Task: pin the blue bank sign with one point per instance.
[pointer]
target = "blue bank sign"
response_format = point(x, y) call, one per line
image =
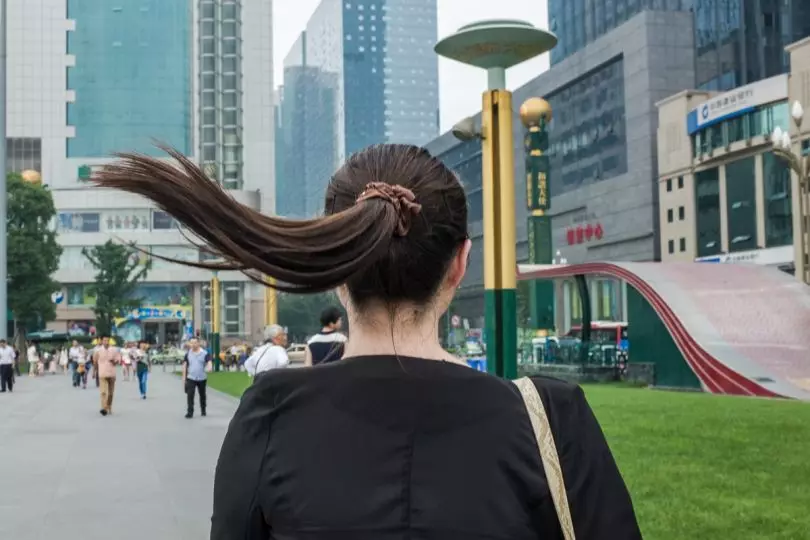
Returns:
point(737, 102)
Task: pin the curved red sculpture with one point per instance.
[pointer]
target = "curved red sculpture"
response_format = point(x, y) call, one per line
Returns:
point(742, 329)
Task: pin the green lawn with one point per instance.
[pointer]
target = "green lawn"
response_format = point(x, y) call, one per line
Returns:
point(699, 466)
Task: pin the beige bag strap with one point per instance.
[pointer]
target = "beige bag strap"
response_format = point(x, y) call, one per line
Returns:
point(548, 453)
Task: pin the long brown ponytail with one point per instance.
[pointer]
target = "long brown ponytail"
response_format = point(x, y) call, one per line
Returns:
point(369, 213)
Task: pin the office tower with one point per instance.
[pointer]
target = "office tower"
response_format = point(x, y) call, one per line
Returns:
point(364, 72)
point(90, 77)
point(736, 41)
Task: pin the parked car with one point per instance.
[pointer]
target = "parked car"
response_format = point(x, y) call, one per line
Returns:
point(297, 352)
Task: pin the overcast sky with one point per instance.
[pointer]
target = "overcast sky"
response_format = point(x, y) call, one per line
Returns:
point(460, 86)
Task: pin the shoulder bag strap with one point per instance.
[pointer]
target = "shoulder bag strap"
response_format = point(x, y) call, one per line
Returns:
point(548, 453)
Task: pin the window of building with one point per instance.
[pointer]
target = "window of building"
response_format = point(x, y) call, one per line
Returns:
point(760, 122)
point(741, 205)
point(164, 294)
point(25, 153)
point(669, 184)
point(681, 213)
point(669, 215)
point(682, 244)
point(162, 220)
point(671, 246)
point(707, 218)
point(78, 222)
point(680, 182)
point(80, 295)
point(778, 201)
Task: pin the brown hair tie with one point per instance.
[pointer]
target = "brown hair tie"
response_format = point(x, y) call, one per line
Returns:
point(402, 198)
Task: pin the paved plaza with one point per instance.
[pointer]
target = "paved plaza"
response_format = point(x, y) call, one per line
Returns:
point(145, 472)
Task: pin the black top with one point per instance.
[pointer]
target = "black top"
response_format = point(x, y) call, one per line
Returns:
point(326, 347)
point(402, 448)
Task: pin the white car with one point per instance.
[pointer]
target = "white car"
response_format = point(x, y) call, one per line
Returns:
point(297, 353)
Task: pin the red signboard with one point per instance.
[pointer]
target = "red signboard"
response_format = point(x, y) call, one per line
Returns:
point(584, 233)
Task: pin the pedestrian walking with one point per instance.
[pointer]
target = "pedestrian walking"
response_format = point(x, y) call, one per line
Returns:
point(271, 355)
point(127, 361)
point(16, 362)
point(6, 367)
point(400, 439)
point(327, 345)
point(33, 360)
point(196, 365)
point(76, 360)
point(105, 359)
point(143, 366)
point(63, 360)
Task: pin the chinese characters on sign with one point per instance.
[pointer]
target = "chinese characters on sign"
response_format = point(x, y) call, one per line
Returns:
point(732, 98)
point(537, 194)
point(584, 233)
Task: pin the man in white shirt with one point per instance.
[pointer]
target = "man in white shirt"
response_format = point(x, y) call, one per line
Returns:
point(271, 355)
point(6, 366)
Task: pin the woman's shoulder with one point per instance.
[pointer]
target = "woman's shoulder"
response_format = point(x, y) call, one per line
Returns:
point(558, 394)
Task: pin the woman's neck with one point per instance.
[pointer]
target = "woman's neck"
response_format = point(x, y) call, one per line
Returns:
point(379, 332)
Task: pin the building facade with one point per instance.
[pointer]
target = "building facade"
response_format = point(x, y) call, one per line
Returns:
point(737, 42)
point(364, 72)
point(724, 196)
point(604, 201)
point(122, 75)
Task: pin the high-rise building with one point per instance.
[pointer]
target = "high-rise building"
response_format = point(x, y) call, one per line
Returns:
point(364, 72)
point(604, 204)
point(737, 42)
point(88, 78)
point(131, 79)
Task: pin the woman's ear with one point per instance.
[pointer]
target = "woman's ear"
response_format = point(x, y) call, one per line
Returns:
point(343, 296)
point(458, 266)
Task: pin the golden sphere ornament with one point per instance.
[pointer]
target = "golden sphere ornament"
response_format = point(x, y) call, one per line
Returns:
point(534, 110)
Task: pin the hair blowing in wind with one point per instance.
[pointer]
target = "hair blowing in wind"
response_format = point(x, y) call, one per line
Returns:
point(394, 216)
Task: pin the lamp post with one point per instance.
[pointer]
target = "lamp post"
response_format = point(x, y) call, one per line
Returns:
point(535, 113)
point(215, 320)
point(495, 46)
point(270, 304)
point(800, 165)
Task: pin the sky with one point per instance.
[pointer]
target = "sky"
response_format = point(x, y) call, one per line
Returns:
point(460, 86)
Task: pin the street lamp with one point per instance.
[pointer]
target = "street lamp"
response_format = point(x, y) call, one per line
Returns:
point(215, 320)
point(535, 113)
point(800, 165)
point(495, 46)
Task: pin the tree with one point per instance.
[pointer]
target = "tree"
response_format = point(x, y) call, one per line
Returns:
point(300, 312)
point(33, 254)
point(119, 268)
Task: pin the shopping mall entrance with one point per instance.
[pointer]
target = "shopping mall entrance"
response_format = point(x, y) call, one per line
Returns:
point(162, 332)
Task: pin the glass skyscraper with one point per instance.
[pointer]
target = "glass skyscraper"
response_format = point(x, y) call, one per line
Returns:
point(131, 78)
point(737, 41)
point(363, 73)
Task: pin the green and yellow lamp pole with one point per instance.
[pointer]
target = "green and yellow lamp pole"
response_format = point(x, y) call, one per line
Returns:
point(535, 113)
point(215, 321)
point(270, 304)
point(497, 45)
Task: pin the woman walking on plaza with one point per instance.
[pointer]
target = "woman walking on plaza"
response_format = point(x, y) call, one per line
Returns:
point(143, 365)
point(32, 355)
point(399, 439)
